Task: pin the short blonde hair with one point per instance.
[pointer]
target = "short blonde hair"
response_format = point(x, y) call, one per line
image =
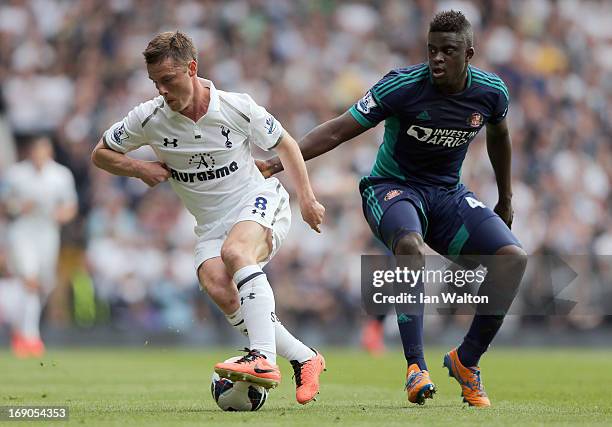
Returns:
point(170, 44)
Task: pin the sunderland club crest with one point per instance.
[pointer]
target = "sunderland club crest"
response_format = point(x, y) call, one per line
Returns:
point(475, 120)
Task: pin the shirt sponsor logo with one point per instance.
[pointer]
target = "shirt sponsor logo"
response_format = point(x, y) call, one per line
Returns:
point(444, 137)
point(392, 194)
point(420, 133)
point(366, 103)
point(202, 160)
point(204, 175)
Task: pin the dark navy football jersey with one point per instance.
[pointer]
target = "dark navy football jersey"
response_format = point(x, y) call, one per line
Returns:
point(427, 133)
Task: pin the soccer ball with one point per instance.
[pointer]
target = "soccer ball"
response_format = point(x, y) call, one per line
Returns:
point(237, 395)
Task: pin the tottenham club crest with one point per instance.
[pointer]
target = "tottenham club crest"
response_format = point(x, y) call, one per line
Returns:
point(225, 132)
point(475, 120)
point(366, 103)
point(392, 194)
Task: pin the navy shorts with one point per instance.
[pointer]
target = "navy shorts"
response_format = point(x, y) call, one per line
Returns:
point(452, 221)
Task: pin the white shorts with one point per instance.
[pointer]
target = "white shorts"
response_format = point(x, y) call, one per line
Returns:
point(33, 253)
point(268, 205)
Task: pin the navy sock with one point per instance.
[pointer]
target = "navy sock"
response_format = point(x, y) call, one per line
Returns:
point(475, 343)
point(411, 331)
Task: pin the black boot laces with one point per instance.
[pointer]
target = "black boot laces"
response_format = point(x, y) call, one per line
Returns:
point(250, 356)
point(297, 371)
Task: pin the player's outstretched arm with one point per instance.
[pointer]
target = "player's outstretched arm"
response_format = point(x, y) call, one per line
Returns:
point(321, 139)
point(152, 173)
point(290, 156)
point(499, 148)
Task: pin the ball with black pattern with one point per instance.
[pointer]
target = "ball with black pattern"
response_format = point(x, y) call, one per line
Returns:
point(237, 395)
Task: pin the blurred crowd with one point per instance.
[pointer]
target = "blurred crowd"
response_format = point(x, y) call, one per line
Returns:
point(72, 68)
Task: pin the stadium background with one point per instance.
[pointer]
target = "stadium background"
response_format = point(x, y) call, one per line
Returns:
point(70, 69)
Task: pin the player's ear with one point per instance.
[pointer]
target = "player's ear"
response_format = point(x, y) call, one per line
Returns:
point(192, 67)
point(469, 53)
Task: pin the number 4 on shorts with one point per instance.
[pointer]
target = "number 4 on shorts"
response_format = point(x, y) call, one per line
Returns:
point(474, 203)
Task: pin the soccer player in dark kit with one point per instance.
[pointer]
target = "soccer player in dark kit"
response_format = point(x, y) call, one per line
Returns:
point(413, 196)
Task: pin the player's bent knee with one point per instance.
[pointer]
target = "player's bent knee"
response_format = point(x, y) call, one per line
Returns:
point(516, 257)
point(230, 253)
point(235, 253)
point(513, 251)
point(410, 244)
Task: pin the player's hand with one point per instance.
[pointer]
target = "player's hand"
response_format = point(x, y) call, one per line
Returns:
point(153, 173)
point(65, 213)
point(27, 207)
point(266, 167)
point(505, 212)
point(312, 213)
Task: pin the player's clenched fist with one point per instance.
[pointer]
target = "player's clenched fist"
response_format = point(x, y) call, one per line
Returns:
point(312, 213)
point(153, 173)
point(505, 212)
point(264, 168)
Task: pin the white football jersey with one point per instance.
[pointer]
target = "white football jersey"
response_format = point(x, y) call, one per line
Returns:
point(48, 189)
point(212, 169)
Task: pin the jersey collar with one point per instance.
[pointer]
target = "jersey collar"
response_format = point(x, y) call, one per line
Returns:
point(214, 95)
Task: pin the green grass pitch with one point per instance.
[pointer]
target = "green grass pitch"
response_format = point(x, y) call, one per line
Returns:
point(157, 386)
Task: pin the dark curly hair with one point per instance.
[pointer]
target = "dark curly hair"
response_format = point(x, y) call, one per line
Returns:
point(452, 21)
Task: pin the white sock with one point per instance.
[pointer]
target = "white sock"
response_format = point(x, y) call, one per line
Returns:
point(237, 321)
point(287, 346)
point(30, 316)
point(257, 306)
point(11, 296)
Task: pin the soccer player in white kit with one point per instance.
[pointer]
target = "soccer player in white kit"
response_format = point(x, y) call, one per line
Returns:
point(202, 138)
point(39, 195)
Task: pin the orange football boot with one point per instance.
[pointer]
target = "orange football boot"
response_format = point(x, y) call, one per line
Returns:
point(306, 376)
point(472, 388)
point(19, 346)
point(418, 385)
point(253, 367)
point(36, 347)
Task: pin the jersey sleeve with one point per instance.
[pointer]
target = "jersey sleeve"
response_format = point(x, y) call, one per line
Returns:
point(265, 131)
point(8, 194)
point(377, 104)
point(68, 193)
point(5, 185)
point(126, 135)
point(501, 108)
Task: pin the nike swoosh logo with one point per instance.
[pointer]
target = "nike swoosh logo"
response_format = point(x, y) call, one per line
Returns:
point(263, 371)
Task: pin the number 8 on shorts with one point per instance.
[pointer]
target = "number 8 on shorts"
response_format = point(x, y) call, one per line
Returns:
point(260, 203)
